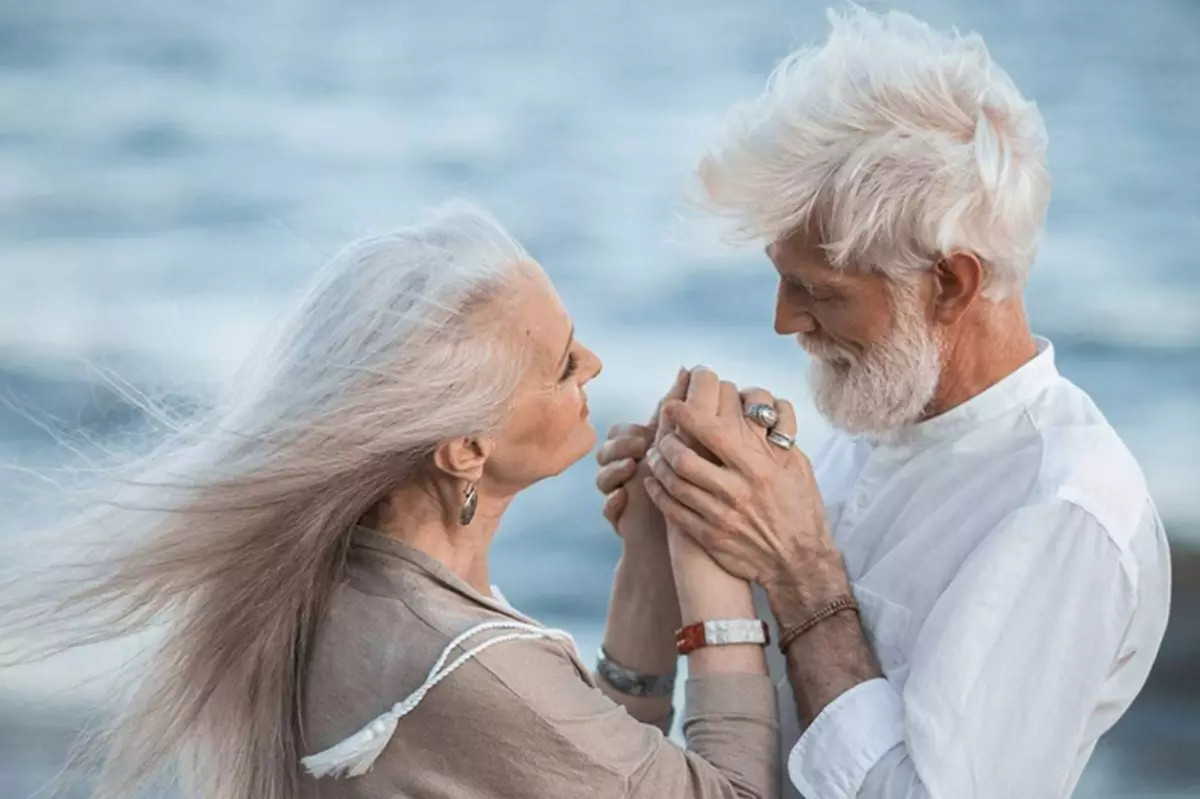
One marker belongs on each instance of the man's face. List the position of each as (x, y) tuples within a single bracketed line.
[(876, 360)]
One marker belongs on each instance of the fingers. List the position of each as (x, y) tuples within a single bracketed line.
[(695, 427), (629, 441), (704, 391), (672, 457), (787, 418), (677, 514), (614, 505), (678, 391), (614, 475), (756, 396), (730, 403), (685, 492), (627, 430)]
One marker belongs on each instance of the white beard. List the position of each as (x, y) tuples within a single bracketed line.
[(889, 385)]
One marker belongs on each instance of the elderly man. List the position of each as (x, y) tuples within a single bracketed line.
[(970, 579)]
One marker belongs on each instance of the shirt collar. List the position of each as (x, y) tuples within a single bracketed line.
[(387, 558), (1017, 390)]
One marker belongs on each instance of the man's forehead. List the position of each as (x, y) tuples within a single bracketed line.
[(802, 256)]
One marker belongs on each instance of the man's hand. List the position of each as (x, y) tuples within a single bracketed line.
[(623, 471), (757, 510)]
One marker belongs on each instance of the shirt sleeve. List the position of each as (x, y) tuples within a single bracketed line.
[(1004, 675), (524, 721)]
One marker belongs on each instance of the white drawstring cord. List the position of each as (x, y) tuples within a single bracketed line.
[(356, 755)]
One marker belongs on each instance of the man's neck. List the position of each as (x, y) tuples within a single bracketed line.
[(993, 343)]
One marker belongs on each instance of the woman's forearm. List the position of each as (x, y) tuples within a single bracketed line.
[(643, 616), (707, 593)]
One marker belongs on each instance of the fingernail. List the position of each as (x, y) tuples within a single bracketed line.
[(652, 455), (648, 482)]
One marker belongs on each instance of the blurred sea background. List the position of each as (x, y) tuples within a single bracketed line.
[(172, 172)]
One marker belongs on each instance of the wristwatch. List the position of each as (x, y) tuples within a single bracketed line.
[(630, 682), (722, 632)]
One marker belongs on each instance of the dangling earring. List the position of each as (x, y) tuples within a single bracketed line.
[(470, 503)]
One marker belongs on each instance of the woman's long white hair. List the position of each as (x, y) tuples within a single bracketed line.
[(898, 143), (231, 536)]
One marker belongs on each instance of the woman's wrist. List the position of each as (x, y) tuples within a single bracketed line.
[(708, 593), (643, 616)]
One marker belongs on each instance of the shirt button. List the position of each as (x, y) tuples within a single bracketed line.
[(862, 501)]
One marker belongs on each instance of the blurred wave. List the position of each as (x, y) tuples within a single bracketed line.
[(173, 172)]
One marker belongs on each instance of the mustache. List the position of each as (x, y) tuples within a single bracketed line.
[(825, 350)]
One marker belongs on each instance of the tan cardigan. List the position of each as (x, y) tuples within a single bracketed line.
[(524, 719)]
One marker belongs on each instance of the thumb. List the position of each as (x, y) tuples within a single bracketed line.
[(677, 391)]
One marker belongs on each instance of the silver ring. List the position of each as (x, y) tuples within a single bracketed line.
[(763, 415), (781, 440)]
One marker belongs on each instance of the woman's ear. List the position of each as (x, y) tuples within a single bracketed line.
[(958, 280), (464, 457)]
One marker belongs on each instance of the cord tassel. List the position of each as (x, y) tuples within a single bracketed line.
[(356, 755)]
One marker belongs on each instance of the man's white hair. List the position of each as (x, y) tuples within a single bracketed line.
[(897, 144)]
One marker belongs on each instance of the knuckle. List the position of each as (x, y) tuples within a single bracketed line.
[(739, 498), (729, 519)]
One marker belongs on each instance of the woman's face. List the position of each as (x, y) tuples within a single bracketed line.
[(548, 428)]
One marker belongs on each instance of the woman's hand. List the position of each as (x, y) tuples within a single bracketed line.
[(754, 506), (623, 471), (707, 592), (643, 614)]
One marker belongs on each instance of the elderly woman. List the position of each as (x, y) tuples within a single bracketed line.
[(316, 554)]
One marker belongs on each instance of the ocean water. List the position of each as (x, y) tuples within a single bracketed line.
[(172, 172)]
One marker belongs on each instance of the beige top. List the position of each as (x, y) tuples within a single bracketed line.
[(523, 719)]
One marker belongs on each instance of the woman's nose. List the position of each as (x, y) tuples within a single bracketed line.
[(592, 366)]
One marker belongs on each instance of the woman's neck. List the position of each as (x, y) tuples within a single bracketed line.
[(413, 516)]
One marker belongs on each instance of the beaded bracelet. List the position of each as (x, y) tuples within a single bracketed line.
[(789, 635)]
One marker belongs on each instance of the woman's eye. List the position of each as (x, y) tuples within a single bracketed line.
[(572, 365)]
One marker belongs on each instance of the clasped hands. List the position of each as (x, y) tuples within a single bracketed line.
[(707, 470)]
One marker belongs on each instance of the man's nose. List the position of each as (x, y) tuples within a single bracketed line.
[(790, 320)]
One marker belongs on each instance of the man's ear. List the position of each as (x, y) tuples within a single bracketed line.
[(957, 282), (463, 457)]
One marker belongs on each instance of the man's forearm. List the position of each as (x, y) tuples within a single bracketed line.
[(833, 656), (643, 616)]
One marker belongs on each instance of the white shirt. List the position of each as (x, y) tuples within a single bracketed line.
[(1014, 579)]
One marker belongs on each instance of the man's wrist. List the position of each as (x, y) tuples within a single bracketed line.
[(800, 589)]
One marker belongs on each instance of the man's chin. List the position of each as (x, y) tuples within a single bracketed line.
[(843, 405)]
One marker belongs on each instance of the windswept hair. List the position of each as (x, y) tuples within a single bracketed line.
[(229, 538), (896, 143)]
